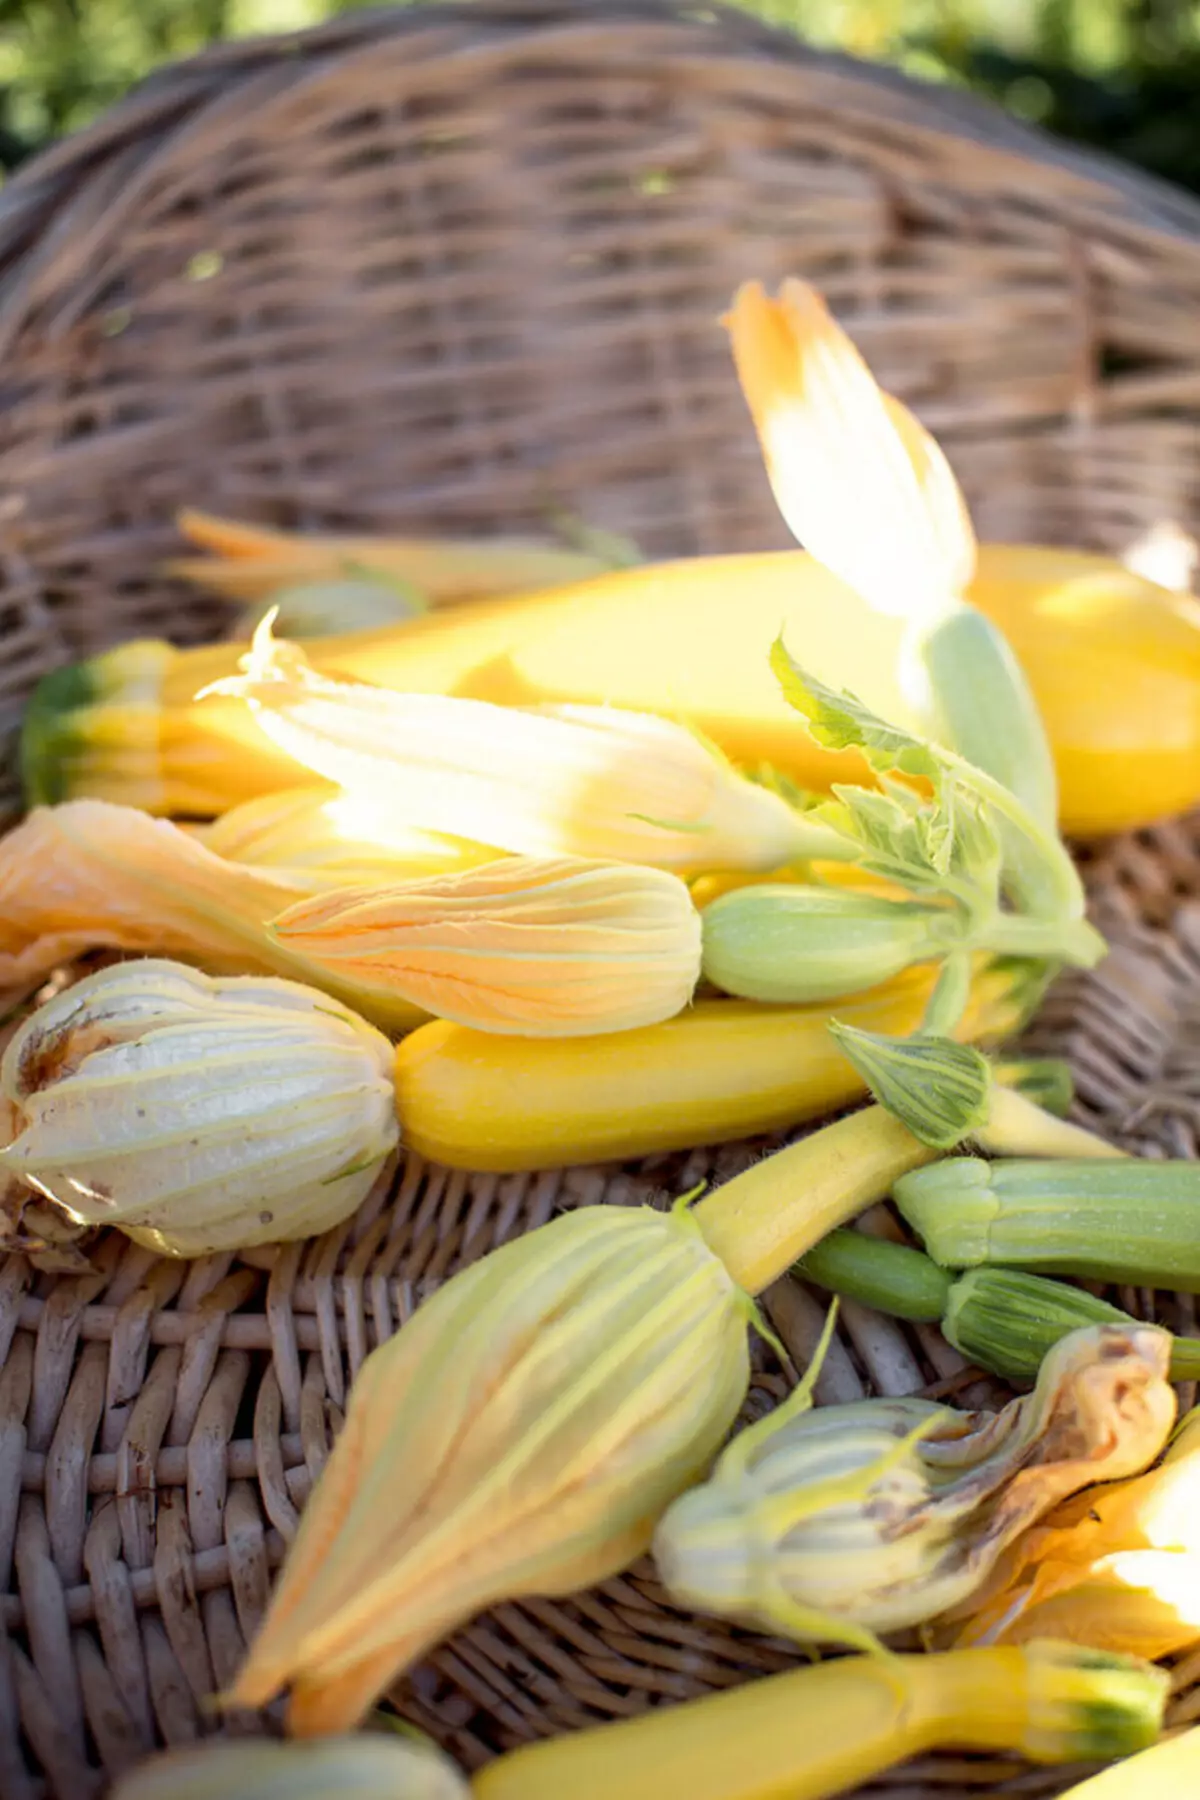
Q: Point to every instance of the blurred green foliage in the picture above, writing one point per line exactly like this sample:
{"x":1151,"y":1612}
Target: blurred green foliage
{"x":1121,"y":75}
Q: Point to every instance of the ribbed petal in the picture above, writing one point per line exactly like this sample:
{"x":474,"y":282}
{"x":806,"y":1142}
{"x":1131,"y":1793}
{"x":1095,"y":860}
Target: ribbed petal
{"x":550,"y":781}
{"x":518,"y":1436}
{"x":88,"y":875}
{"x":540,"y":948}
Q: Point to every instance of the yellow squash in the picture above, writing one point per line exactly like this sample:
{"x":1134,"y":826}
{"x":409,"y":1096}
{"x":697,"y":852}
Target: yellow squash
{"x":813,"y":1733}
{"x":1113,"y":660}
{"x":725,"y":1069}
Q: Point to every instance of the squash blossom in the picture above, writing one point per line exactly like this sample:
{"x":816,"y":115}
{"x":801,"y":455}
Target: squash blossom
{"x":835,"y":1524}
{"x":342,"y":840}
{"x":539,"y":947}
{"x":830,"y":439}
{"x":518,"y":1436}
{"x":367,"y":1766}
{"x":804,"y":944}
{"x":91,"y":875}
{"x":588,"y":781}
{"x":1116,"y":1567}
{"x":197,"y":1113}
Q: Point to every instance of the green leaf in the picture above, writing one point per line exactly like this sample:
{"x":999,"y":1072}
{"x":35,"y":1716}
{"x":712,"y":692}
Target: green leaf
{"x":840,"y":721}
{"x":939,"y":1090}
{"x":889,"y":842}
{"x":975,"y":851}
{"x":952,"y":990}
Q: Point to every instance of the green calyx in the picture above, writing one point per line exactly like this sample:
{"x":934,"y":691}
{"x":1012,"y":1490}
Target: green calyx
{"x":944,"y":1093}
{"x":939,"y":1090}
{"x":1091,"y":1705}
{"x":50,"y":739}
{"x":1007,"y":1322}
{"x":982,"y":843}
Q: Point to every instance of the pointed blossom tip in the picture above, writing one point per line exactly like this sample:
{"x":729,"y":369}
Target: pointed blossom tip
{"x":268,"y":659}
{"x":827,"y":430}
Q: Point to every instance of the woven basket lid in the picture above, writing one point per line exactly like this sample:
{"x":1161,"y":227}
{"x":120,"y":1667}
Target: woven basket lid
{"x":447,"y":269}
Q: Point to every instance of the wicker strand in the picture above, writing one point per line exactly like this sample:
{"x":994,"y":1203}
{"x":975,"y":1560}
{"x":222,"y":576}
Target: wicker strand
{"x":445,"y":270}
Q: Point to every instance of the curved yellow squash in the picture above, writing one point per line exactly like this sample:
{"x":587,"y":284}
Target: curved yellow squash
{"x":724,"y":1069}
{"x":1113,"y":660}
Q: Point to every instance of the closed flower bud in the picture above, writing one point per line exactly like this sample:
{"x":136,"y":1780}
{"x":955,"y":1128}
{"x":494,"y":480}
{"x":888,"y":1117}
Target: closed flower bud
{"x":1007,"y":1321}
{"x":537,"y":947}
{"x":198,"y":1114}
{"x":839,"y":452}
{"x":836,"y":1524}
{"x":520,"y":1435}
{"x":549,"y":781}
{"x":807,"y":944}
{"x":368,"y":1766}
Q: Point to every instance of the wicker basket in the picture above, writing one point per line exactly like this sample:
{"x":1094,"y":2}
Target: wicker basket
{"x":446,"y":268}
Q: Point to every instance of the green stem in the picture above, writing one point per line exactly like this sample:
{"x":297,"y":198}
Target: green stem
{"x":1071,"y":941}
{"x":892,"y":1278}
{"x":764,"y":1219}
{"x":821,"y":843}
{"x":948,"y":1001}
{"x":1185,"y":1359}
{"x":982,"y":706}
{"x":1050,"y":887}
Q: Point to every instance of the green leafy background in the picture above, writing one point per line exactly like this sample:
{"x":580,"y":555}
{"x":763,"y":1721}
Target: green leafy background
{"x":1123,"y":75}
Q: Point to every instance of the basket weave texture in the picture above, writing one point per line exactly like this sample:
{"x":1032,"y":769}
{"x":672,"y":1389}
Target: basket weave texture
{"x":450,"y":269}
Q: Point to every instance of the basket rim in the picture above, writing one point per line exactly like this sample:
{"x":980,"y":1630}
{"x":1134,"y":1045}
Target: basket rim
{"x":81,"y":177}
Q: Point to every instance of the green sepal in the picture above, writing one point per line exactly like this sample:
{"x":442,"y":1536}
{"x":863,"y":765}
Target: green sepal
{"x":842,"y":722}
{"x":939,"y":1090}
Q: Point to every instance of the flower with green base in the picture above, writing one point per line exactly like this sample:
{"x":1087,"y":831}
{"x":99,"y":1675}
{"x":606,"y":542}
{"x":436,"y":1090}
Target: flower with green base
{"x":837,"y":1524}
